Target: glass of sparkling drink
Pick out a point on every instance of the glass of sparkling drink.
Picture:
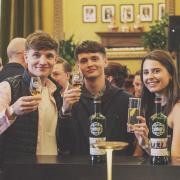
(134, 111)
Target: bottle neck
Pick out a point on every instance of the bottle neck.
(158, 105)
(97, 106)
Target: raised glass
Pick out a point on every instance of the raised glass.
(35, 86)
(77, 79)
(134, 110)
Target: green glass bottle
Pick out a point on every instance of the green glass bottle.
(158, 136)
(97, 133)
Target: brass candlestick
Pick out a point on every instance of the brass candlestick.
(109, 146)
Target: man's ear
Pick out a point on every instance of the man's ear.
(25, 57)
(105, 61)
(56, 58)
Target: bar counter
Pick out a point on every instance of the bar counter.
(79, 168)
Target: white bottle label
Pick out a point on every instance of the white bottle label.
(159, 147)
(96, 151)
(158, 129)
(96, 128)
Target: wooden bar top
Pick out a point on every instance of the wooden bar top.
(79, 168)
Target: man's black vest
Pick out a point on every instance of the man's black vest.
(21, 137)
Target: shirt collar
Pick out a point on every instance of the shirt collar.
(51, 86)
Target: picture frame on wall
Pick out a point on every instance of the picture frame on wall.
(126, 12)
(89, 13)
(107, 12)
(161, 11)
(146, 12)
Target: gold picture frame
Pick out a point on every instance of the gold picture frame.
(107, 12)
(89, 13)
(126, 12)
(161, 11)
(146, 12)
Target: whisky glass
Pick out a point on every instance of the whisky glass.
(77, 79)
(35, 86)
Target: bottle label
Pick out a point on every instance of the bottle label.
(159, 147)
(94, 150)
(96, 128)
(158, 129)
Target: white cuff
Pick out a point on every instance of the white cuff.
(4, 122)
(65, 113)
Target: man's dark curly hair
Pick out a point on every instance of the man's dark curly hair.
(118, 72)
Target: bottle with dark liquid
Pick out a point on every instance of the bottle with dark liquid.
(97, 133)
(158, 136)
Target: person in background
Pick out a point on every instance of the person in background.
(28, 123)
(116, 74)
(91, 60)
(62, 73)
(16, 63)
(137, 84)
(137, 94)
(159, 78)
(1, 64)
(128, 84)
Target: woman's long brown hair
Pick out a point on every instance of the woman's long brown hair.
(165, 59)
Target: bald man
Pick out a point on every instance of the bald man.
(16, 63)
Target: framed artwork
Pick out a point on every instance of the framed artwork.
(161, 10)
(107, 12)
(127, 12)
(89, 13)
(146, 12)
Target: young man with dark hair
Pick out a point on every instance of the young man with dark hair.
(91, 60)
(28, 123)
